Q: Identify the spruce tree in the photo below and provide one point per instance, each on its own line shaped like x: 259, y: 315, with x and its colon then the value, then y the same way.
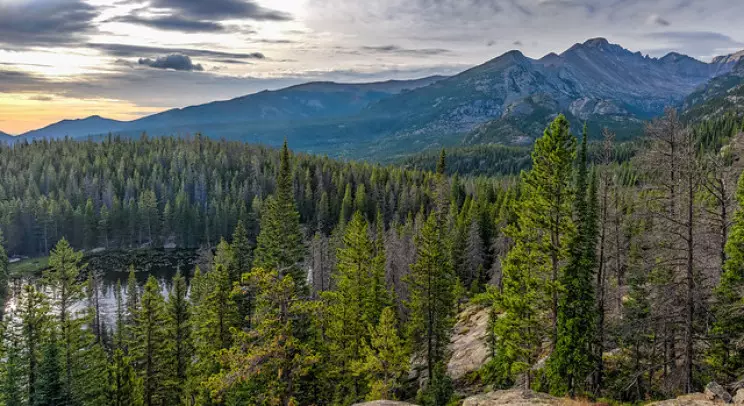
x: 726, y: 358
x: 11, y: 370
x: 431, y: 298
x: 63, y: 279
x: 385, y: 360
x: 268, y: 363
x: 49, y: 390
x: 542, y: 232
x: 350, y: 307
x: 571, y: 360
x: 178, y: 338
x: 124, y: 387
x: 34, y: 317
x: 4, y: 275
x: 279, y: 244
x: 149, y: 350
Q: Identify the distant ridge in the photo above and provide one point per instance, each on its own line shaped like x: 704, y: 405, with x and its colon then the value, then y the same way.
x: 506, y: 100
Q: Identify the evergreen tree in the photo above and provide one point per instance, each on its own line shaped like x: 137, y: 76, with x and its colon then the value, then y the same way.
x: 571, y: 361
x: 49, y: 390
x: 34, y: 316
x: 350, y: 307
x: 124, y: 388
x: 11, y: 370
x: 63, y: 279
x: 242, y: 251
x: 279, y: 244
x: 270, y: 360
x: 385, y: 360
x: 542, y: 233
x: 149, y: 350
x: 178, y: 338
x: 4, y: 275
x: 431, y: 299
x: 726, y: 356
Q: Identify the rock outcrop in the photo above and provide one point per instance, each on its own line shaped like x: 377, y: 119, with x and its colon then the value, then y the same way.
x: 714, y: 392
x: 469, y: 344
x: 514, y: 398
x: 739, y: 398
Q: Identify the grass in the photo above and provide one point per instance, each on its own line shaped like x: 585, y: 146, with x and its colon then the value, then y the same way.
x: 28, y: 266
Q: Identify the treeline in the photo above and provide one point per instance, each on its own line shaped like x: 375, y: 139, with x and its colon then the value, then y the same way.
x: 625, y: 281
x: 497, y: 160
x: 257, y: 327
x: 183, y: 192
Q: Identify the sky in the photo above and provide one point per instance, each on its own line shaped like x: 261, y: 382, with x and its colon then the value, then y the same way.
x: 122, y: 59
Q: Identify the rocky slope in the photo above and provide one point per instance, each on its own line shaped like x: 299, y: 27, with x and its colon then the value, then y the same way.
x: 721, y: 95
x: 509, y: 99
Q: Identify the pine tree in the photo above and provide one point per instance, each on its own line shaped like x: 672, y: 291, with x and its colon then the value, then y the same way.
x: 726, y: 358
x: 178, y: 338
x: 11, y: 370
x: 242, y: 251
x: 49, y: 390
x: 431, y: 302
x: 4, y: 275
x: 149, y: 351
x: 63, y: 279
x: 571, y: 360
x: 385, y: 360
x: 542, y: 233
x: 124, y: 388
x: 34, y: 316
x: 380, y: 296
x: 279, y: 243
x: 270, y: 360
x: 349, y: 307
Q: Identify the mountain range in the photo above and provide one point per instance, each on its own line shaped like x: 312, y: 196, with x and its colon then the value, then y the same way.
x: 506, y: 100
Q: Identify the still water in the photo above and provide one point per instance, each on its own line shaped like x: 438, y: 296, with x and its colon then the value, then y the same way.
x: 111, y: 270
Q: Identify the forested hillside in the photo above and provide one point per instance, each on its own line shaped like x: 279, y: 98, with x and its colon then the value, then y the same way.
x: 607, y: 272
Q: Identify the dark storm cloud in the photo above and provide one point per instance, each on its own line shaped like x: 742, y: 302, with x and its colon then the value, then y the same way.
x: 173, y: 61
x: 126, y: 51
x: 45, y: 22
x: 171, y: 23
x: 397, y: 50
x: 215, y: 10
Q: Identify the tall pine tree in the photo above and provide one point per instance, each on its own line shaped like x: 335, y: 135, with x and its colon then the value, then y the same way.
x: 571, y: 360
x: 279, y: 243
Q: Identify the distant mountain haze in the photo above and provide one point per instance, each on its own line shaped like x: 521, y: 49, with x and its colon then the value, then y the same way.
x: 507, y: 100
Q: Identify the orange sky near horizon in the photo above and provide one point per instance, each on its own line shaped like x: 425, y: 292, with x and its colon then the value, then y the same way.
x: 22, y: 112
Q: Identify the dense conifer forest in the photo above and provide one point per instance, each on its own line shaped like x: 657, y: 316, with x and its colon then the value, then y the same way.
x: 609, y: 271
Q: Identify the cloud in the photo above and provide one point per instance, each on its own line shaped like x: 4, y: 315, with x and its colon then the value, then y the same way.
x: 397, y: 50
x: 125, y: 51
x: 219, y: 9
x: 698, y: 44
x: 45, y: 22
x: 173, y: 61
x: 171, y: 23
x: 655, y: 19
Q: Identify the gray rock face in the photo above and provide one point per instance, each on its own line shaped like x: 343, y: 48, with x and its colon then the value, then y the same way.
x: 468, y: 345
x: 714, y: 391
x: 512, y: 397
